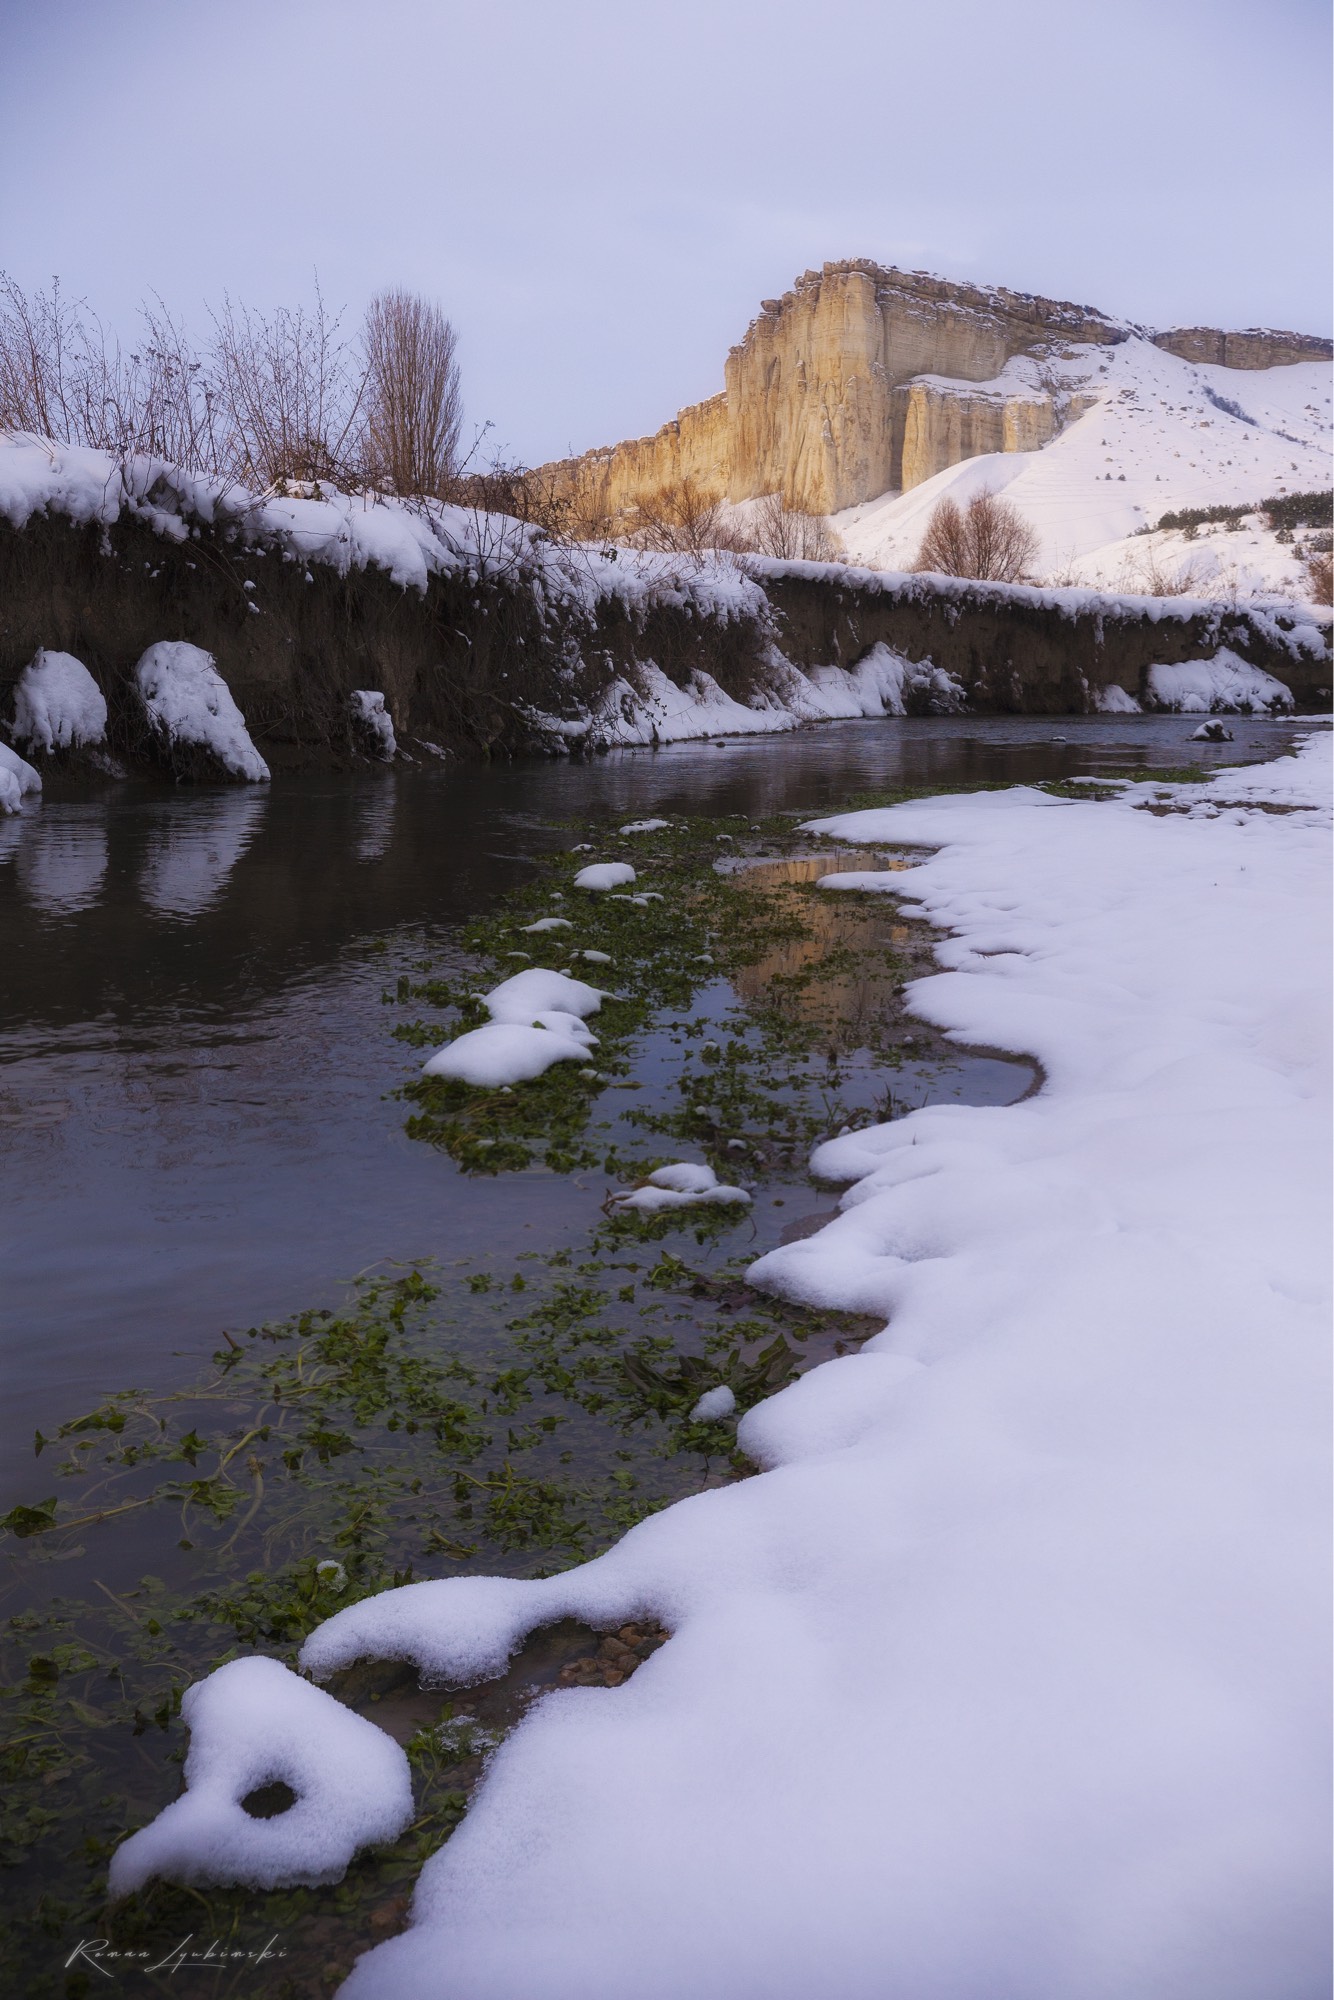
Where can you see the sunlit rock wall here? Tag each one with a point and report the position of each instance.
(822, 402)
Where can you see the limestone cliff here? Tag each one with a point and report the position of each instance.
(825, 403)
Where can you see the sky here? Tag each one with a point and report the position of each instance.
(600, 195)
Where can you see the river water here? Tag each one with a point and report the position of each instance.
(197, 1127)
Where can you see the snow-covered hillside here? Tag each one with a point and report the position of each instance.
(1161, 434)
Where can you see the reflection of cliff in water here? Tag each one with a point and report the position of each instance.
(848, 1004)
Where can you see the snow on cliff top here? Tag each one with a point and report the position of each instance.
(1161, 422)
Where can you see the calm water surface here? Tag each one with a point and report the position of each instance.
(196, 1121)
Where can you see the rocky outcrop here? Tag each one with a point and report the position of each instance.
(944, 423)
(824, 401)
(1256, 347)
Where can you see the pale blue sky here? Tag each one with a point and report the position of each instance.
(600, 194)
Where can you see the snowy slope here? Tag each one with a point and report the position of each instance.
(1157, 439)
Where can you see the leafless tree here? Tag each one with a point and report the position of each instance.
(414, 406)
(988, 539)
(1320, 574)
(772, 528)
(290, 394)
(676, 518)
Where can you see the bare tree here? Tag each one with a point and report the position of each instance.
(289, 393)
(414, 407)
(988, 539)
(1320, 576)
(788, 533)
(676, 518)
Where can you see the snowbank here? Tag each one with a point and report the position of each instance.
(1009, 1678)
(188, 702)
(1224, 684)
(57, 704)
(252, 1723)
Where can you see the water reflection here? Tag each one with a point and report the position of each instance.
(199, 1126)
(192, 853)
(62, 862)
(375, 823)
(852, 1004)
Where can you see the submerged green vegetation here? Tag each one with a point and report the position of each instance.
(476, 1415)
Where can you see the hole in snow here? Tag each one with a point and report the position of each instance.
(268, 1801)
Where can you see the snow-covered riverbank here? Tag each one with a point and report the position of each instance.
(1008, 1675)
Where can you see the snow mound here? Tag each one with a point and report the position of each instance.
(547, 924)
(604, 875)
(714, 1405)
(536, 991)
(1211, 732)
(683, 1185)
(57, 704)
(18, 780)
(188, 702)
(373, 723)
(252, 1723)
(1226, 684)
(537, 1019)
(502, 1052)
(1113, 700)
(646, 826)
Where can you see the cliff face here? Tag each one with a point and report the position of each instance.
(822, 401)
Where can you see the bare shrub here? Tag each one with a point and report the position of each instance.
(989, 540)
(62, 377)
(414, 407)
(676, 518)
(1146, 574)
(787, 533)
(290, 393)
(1320, 576)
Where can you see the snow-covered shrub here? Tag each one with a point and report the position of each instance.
(372, 724)
(17, 780)
(57, 704)
(189, 705)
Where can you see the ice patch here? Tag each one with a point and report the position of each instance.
(57, 704)
(188, 702)
(882, 880)
(252, 1723)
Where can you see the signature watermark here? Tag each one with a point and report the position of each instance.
(188, 1954)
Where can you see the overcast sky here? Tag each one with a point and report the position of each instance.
(600, 194)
